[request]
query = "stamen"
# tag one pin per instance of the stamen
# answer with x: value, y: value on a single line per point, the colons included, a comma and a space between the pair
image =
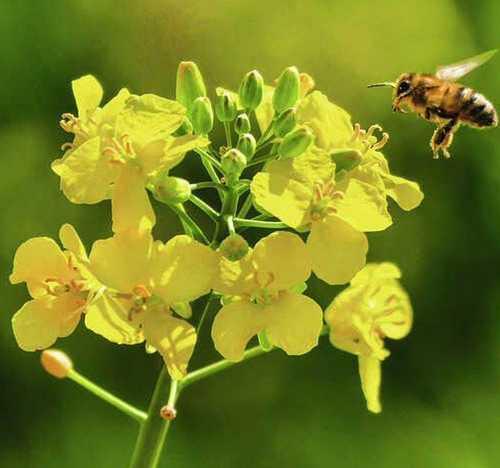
x: 372, y: 129
x: 141, y: 291
x: 381, y: 143
x: 67, y: 146
x: 355, y: 135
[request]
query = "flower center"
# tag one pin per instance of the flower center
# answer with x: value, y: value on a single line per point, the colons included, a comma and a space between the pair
x: 324, y: 200
x: 119, y: 150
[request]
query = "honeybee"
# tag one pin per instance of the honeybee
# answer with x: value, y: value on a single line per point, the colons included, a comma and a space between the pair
x: 438, y: 99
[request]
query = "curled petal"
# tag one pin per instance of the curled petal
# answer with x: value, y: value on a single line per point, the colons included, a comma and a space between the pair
x: 184, y: 269
x: 370, y: 372
x: 338, y: 251
x: 88, y: 94
x: 234, y: 326
x: 173, y: 338
x: 284, y: 258
x: 294, y: 323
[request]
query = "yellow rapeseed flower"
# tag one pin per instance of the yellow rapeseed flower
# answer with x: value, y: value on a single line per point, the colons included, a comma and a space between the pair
x: 118, y: 148
x: 373, y: 307
x: 304, y: 194
x: 59, y: 283
x: 145, y: 280
x: 264, y: 301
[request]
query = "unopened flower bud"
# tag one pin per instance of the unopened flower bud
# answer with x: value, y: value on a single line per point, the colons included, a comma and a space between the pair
x: 285, y: 122
x: 242, y: 124
x: 234, y: 247
x: 171, y: 190
x: 233, y: 163
x: 168, y: 413
x: 225, y: 107
x: 56, y: 363
x: 247, y: 144
x: 251, y: 90
x: 202, y: 116
x: 346, y: 159
x: 183, y: 309
x: 307, y: 84
x: 190, y: 84
x: 296, y: 143
x: 287, y: 90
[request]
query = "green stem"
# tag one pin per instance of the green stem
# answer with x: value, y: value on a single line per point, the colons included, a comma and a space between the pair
x: 123, y: 406
x: 208, y: 157
x: 227, y: 130
x: 154, y: 429
x: 245, y: 208
x: 259, y: 224
x: 203, y: 185
x: 259, y: 160
x: 205, y: 207
x: 189, y: 223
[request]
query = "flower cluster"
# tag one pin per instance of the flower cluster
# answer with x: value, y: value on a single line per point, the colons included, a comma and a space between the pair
x: 304, y: 168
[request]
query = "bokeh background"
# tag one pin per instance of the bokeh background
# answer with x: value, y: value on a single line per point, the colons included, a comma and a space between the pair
x: 441, y: 384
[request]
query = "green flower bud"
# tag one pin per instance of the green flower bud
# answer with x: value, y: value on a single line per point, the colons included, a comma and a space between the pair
x: 234, y: 247
x: 287, y: 90
x: 307, y: 84
x: 295, y: 143
x: 190, y: 84
x: 247, y: 144
x: 233, y: 163
x: 346, y: 159
x: 242, y: 124
x: 171, y: 190
x: 251, y: 90
x: 202, y: 116
x: 225, y: 107
x: 183, y: 309
x: 285, y: 122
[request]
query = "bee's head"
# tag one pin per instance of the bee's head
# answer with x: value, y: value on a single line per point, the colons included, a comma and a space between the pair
x: 403, y: 85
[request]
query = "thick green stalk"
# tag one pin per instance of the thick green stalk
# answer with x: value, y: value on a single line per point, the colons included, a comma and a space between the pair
x: 154, y: 429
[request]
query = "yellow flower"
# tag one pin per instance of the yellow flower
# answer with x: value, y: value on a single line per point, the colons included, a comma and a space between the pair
x: 60, y: 285
x: 303, y: 193
x: 373, y: 307
x: 118, y: 148
x: 264, y: 301
x: 335, y: 133
x: 145, y: 280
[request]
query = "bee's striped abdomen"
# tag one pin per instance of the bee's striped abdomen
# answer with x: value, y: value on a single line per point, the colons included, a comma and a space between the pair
x: 476, y: 110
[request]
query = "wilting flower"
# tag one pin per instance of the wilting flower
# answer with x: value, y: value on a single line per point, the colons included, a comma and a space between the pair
x: 262, y: 285
x: 373, y: 307
x: 60, y: 285
x: 336, y: 135
x: 145, y: 280
x: 304, y: 194
x: 118, y: 148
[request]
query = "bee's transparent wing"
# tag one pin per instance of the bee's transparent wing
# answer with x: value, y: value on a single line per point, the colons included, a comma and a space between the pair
x: 455, y: 71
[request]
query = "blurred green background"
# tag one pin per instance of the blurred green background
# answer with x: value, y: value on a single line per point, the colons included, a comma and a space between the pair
x: 441, y: 384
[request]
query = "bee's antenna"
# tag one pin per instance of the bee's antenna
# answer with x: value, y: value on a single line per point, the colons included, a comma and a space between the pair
x: 385, y: 83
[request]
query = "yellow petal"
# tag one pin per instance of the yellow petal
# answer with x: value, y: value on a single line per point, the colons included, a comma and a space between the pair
x: 86, y: 175
x: 184, y: 269
x: 71, y: 241
x: 111, y: 110
x: 35, y: 261
x: 405, y: 193
x: 235, y: 278
x: 282, y: 259
x: 109, y: 317
x: 376, y: 271
x: 173, y: 338
x: 39, y: 323
x: 234, y: 326
x: 294, y: 323
x: 338, y: 251
x: 123, y: 261
x: 132, y: 210
x: 265, y: 111
x: 364, y: 207
x: 370, y: 372
x: 88, y: 94
x: 330, y: 123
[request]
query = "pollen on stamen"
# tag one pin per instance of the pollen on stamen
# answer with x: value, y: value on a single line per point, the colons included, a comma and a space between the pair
x: 381, y: 143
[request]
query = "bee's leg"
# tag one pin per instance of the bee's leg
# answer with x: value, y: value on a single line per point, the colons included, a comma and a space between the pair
x: 442, y: 138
